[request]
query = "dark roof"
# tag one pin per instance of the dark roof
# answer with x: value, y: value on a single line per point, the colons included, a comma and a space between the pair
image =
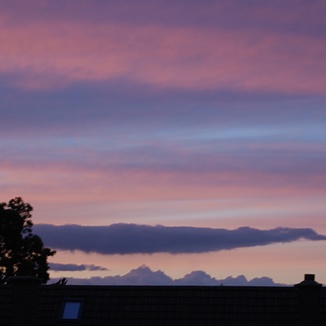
x: 165, y: 305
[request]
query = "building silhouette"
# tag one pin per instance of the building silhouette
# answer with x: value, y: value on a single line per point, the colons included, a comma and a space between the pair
x: 23, y: 301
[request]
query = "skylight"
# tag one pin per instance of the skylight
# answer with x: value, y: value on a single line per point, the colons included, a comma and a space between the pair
x: 71, y: 310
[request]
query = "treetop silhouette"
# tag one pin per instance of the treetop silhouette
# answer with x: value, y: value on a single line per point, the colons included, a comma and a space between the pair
x: 22, y: 253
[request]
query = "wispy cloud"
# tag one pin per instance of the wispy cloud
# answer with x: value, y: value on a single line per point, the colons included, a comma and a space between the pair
x: 75, y: 267
x: 132, y: 238
x: 164, y: 54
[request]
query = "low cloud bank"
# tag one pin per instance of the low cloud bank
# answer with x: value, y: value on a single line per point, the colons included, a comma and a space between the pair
x: 133, y: 239
x: 145, y: 276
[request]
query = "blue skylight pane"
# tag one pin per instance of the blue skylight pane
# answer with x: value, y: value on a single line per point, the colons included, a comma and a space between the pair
x: 71, y: 310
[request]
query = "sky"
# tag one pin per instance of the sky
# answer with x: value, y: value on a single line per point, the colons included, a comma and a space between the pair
x: 168, y: 141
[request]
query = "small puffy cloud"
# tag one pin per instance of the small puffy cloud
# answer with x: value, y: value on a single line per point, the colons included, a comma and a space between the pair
x: 197, y: 278
x: 261, y: 281
x: 75, y: 267
x: 133, y: 239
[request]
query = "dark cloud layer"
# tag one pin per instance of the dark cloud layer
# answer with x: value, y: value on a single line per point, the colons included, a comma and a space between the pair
x: 133, y: 239
x: 145, y: 276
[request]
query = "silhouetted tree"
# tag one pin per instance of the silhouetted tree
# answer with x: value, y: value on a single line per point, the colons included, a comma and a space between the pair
x: 63, y: 281
x: 22, y: 253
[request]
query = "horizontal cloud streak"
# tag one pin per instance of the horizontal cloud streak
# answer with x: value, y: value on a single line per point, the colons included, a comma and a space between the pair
x: 132, y: 238
x: 75, y: 267
x: 275, y: 15
x: 69, y: 50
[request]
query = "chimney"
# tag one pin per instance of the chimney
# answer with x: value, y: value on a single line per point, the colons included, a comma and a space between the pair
x: 309, y: 280
x: 309, y: 301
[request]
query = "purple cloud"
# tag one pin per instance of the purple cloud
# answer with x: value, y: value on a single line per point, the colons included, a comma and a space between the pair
x: 143, y: 275
x: 132, y: 238
x: 75, y: 267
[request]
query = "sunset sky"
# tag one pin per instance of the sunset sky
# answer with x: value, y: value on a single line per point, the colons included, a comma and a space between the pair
x: 181, y: 135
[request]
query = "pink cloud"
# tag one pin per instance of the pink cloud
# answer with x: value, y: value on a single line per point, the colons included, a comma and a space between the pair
x: 51, y: 55
x: 74, y: 193
x: 74, y: 182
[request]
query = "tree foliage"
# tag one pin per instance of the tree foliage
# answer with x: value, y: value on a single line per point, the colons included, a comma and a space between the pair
x: 22, y: 253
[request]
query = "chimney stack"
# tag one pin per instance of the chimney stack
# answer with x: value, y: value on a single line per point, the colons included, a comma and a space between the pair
x: 309, y: 301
